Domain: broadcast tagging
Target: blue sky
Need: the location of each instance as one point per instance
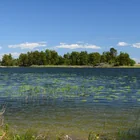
(70, 25)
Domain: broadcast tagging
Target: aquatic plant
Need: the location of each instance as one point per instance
(63, 136)
(131, 134)
(29, 134)
(1, 115)
(2, 133)
(93, 136)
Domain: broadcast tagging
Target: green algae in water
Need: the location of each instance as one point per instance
(83, 100)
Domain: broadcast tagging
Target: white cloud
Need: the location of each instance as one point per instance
(122, 44)
(136, 45)
(77, 46)
(28, 45)
(0, 47)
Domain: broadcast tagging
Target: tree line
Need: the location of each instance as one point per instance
(51, 57)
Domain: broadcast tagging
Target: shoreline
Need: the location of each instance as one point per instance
(71, 66)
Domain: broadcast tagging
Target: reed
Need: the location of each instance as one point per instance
(2, 132)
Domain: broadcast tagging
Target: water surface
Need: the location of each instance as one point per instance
(71, 100)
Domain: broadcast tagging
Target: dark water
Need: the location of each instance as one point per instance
(74, 101)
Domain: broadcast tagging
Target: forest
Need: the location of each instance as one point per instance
(83, 58)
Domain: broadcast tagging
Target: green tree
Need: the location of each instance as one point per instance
(94, 58)
(15, 62)
(30, 58)
(83, 56)
(7, 60)
(113, 52)
(48, 57)
(43, 60)
(74, 58)
(108, 57)
(103, 58)
(36, 58)
(67, 59)
(52, 57)
(132, 62)
(124, 59)
(61, 60)
(23, 60)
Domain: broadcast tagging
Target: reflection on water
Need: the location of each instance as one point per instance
(74, 101)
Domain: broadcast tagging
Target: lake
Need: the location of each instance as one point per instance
(73, 101)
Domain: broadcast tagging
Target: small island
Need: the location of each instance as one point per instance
(50, 58)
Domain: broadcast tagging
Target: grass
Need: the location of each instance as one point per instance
(131, 134)
(87, 66)
(31, 134)
(75, 66)
(62, 66)
(135, 66)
